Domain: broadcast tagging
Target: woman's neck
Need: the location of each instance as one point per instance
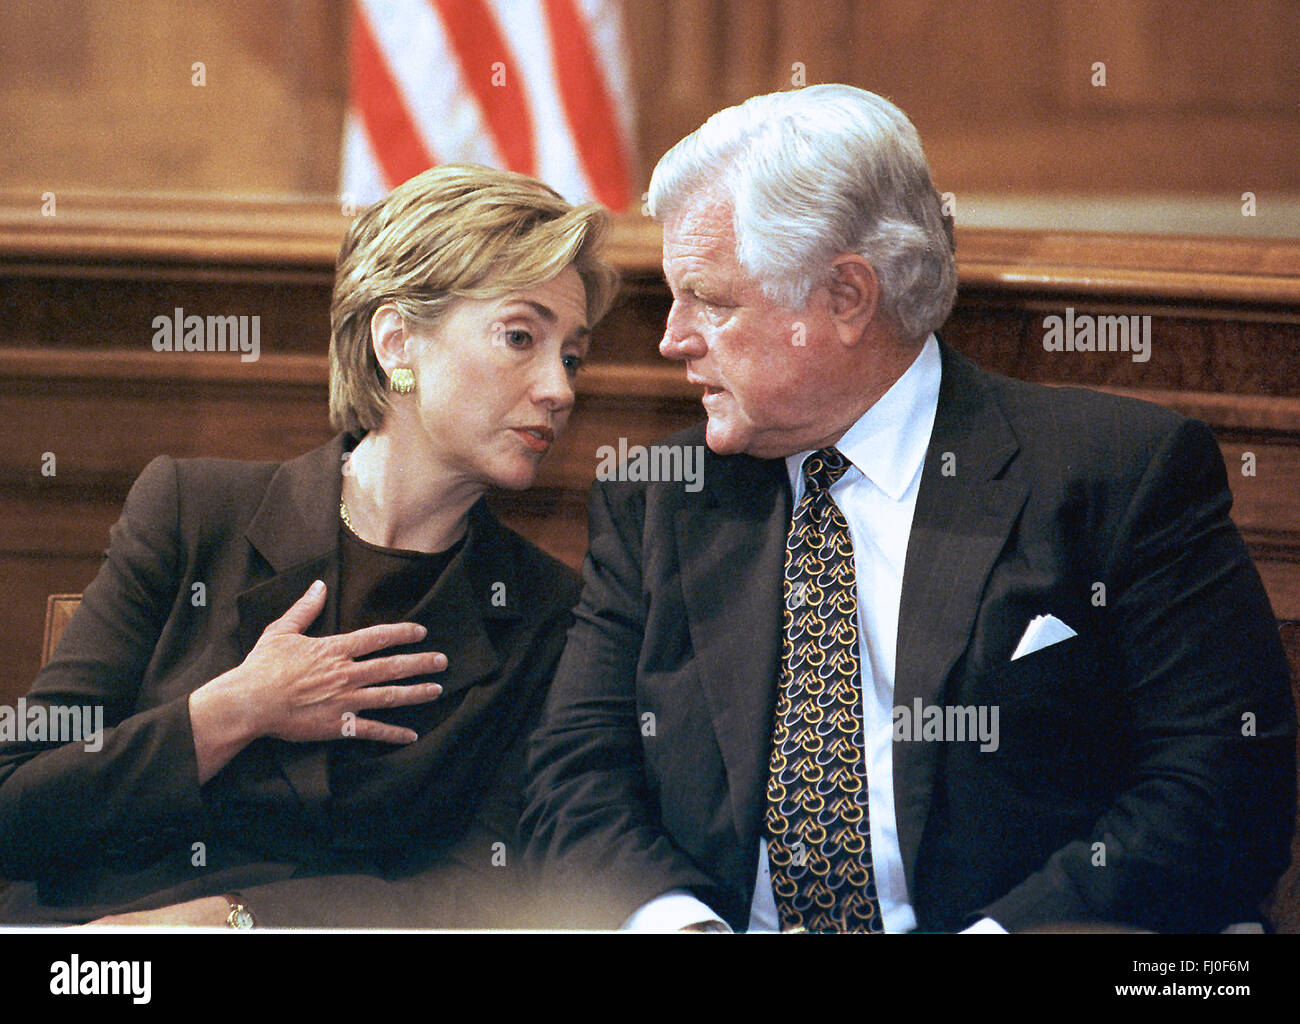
(395, 500)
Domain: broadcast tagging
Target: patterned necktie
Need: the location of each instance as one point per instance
(819, 839)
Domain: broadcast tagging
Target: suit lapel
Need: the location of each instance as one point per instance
(262, 604)
(295, 529)
(965, 508)
(732, 548)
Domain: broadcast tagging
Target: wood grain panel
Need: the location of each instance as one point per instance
(749, 47)
(59, 609)
(120, 112)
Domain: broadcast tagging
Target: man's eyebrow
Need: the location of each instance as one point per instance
(686, 285)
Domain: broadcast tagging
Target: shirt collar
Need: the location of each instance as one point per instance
(887, 443)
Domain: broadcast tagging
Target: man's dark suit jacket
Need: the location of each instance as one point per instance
(1146, 767)
(411, 842)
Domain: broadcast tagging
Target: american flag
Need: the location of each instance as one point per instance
(537, 86)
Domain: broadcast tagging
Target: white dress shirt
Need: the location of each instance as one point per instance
(877, 495)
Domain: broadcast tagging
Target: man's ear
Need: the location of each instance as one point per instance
(389, 338)
(854, 293)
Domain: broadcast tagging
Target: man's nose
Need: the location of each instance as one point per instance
(681, 340)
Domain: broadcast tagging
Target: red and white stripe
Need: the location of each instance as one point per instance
(537, 86)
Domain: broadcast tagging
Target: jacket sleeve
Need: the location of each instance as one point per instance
(593, 835)
(1202, 829)
(138, 777)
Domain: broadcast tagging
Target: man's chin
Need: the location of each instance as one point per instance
(725, 439)
(722, 440)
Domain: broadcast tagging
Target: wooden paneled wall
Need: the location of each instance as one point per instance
(79, 378)
(1199, 94)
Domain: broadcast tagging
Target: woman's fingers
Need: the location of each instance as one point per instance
(372, 698)
(397, 666)
(375, 638)
(304, 682)
(377, 697)
(301, 614)
(369, 729)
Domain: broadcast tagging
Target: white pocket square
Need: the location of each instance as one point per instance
(1044, 631)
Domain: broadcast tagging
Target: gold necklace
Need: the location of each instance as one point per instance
(343, 514)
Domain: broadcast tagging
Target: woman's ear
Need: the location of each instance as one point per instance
(854, 296)
(389, 338)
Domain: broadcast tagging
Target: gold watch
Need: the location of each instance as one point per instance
(240, 917)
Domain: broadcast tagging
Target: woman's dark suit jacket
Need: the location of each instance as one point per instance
(206, 554)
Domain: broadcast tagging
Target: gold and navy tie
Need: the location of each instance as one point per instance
(819, 838)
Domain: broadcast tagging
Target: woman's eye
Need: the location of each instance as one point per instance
(572, 363)
(518, 338)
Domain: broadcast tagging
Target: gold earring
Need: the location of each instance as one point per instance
(402, 381)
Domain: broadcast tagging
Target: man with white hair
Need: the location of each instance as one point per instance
(931, 648)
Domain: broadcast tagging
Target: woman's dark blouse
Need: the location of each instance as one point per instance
(378, 585)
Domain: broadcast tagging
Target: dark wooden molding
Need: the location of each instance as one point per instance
(151, 232)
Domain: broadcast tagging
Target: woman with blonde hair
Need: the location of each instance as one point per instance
(332, 738)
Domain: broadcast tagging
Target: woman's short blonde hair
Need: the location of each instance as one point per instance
(458, 231)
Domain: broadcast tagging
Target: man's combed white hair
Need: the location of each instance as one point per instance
(812, 173)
